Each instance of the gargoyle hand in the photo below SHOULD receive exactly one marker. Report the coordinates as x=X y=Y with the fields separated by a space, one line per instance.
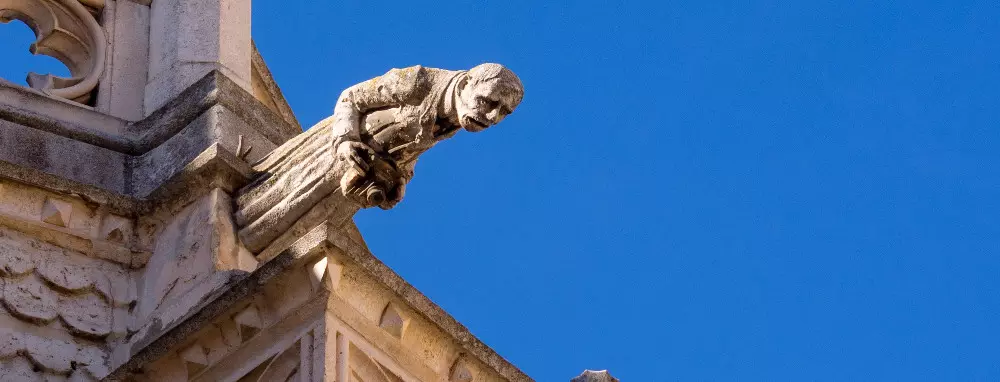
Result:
x=355 y=156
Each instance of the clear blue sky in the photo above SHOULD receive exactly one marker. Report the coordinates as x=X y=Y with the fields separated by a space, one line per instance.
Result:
x=713 y=190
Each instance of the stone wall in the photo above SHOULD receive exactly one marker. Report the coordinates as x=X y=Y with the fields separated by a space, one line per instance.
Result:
x=67 y=274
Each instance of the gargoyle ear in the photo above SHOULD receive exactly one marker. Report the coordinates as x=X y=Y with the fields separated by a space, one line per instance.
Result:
x=463 y=81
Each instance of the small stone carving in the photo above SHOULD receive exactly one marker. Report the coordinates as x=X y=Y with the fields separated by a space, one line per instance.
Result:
x=56 y=212
x=460 y=372
x=392 y=321
x=368 y=148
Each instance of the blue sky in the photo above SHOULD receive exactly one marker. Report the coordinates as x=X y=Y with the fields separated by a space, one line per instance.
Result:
x=714 y=190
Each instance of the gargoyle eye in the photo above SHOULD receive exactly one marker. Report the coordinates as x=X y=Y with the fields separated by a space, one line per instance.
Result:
x=488 y=103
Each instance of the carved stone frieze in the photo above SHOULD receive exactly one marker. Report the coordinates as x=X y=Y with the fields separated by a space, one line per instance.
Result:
x=67 y=31
x=393 y=321
x=460 y=372
x=42 y=283
x=60 y=310
x=27 y=357
x=72 y=223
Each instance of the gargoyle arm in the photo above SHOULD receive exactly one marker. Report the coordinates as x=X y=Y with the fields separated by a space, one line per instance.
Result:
x=394 y=88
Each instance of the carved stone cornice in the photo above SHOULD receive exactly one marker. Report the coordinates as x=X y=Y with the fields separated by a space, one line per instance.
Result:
x=67 y=31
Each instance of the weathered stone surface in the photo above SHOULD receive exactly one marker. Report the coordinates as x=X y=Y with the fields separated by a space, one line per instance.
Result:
x=121 y=93
x=12 y=261
x=188 y=252
x=67 y=149
x=41 y=282
x=26 y=357
x=56 y=212
x=88 y=315
x=10 y=343
x=392 y=321
x=460 y=372
x=53 y=356
x=94 y=360
x=594 y=376
x=19 y=369
x=66 y=273
x=193 y=37
x=216 y=124
x=30 y=299
x=64 y=157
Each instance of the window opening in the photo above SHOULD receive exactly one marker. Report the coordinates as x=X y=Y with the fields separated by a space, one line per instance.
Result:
x=16 y=60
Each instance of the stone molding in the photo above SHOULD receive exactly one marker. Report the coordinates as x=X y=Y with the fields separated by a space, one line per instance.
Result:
x=137 y=138
x=215 y=167
x=67 y=31
x=71 y=222
x=213 y=111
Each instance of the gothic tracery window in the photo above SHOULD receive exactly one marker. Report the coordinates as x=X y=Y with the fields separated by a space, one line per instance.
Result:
x=68 y=31
x=15 y=38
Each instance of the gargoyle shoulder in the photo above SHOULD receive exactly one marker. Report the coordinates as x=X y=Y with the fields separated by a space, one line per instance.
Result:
x=405 y=85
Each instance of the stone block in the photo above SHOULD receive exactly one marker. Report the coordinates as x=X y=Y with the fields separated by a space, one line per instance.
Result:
x=190 y=38
x=122 y=88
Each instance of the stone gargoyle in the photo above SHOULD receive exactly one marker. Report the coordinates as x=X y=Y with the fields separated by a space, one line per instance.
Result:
x=368 y=148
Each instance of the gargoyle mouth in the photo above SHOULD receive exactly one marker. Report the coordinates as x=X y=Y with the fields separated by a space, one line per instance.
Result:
x=477 y=124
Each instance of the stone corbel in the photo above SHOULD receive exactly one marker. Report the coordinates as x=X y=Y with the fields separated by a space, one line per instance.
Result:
x=67 y=31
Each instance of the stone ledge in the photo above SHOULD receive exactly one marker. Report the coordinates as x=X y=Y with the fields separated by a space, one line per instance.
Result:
x=32 y=109
x=215 y=167
x=213 y=89
x=62 y=147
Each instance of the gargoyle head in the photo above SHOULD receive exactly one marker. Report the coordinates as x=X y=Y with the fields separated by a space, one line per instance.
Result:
x=487 y=94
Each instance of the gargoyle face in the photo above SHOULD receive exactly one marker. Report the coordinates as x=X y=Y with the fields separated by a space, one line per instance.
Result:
x=490 y=93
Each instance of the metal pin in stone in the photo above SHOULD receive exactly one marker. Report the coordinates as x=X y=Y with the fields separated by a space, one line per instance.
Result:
x=240 y=153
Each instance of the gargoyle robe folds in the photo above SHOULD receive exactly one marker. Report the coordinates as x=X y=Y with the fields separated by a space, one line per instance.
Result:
x=395 y=114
